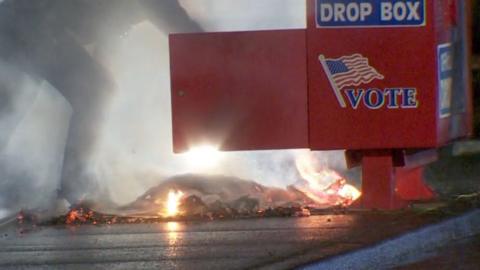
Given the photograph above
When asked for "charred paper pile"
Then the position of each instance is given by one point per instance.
(197, 197)
(190, 209)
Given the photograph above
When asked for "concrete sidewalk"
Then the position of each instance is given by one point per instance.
(409, 248)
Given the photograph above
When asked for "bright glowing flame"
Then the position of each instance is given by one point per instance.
(325, 186)
(173, 202)
(317, 179)
(203, 157)
(349, 192)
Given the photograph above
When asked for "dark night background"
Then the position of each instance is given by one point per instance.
(476, 64)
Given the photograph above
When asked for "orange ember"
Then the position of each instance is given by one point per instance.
(72, 216)
(78, 215)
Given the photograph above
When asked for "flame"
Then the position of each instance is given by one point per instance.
(173, 201)
(350, 192)
(72, 216)
(79, 215)
(325, 186)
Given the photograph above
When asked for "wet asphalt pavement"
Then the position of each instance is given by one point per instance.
(268, 243)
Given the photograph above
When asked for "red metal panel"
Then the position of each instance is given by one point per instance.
(240, 91)
(410, 185)
(405, 56)
(386, 187)
(379, 181)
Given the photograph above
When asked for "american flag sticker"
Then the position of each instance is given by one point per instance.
(346, 71)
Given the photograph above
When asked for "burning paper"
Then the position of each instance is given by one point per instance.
(209, 197)
(323, 185)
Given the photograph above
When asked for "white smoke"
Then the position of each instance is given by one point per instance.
(34, 121)
(135, 148)
(135, 151)
(245, 15)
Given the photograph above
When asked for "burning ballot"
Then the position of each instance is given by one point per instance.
(207, 197)
(325, 186)
(173, 197)
(201, 197)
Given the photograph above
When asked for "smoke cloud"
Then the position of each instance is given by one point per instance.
(113, 118)
(135, 152)
(34, 121)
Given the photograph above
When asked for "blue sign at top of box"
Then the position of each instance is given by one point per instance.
(370, 13)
